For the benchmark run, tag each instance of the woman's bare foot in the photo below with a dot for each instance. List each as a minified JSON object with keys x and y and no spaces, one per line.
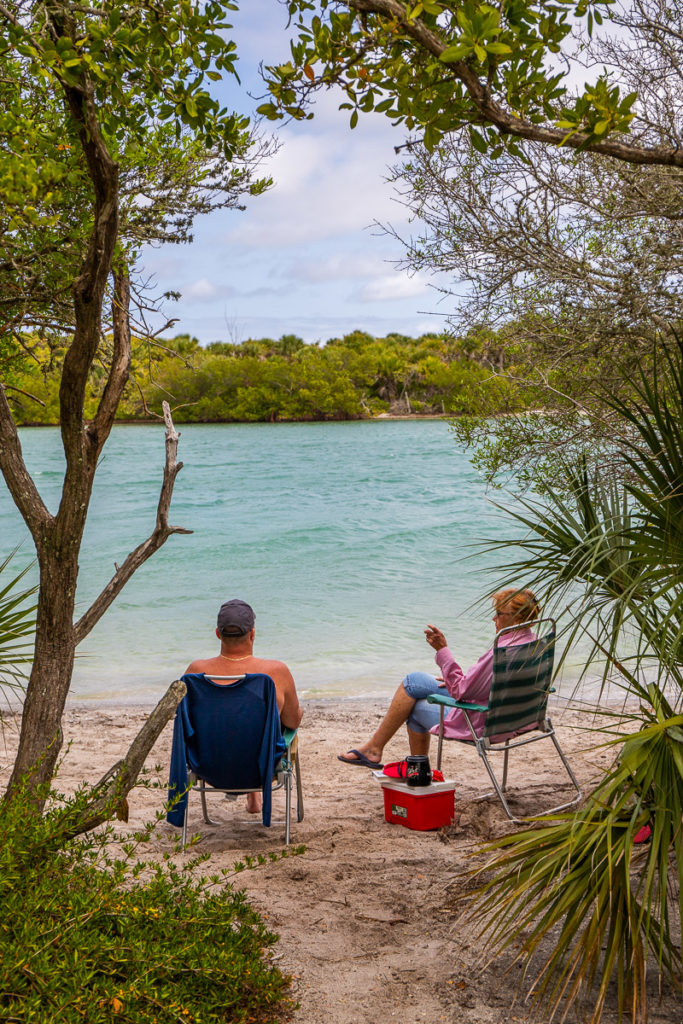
{"x":254,"y":802}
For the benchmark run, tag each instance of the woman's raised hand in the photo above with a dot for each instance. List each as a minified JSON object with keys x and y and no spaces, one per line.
{"x":435,"y":637}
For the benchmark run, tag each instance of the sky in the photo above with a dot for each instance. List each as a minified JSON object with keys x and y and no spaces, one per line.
{"x":305,"y":257}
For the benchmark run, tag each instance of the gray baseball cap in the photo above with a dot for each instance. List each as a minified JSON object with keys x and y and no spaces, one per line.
{"x":235,"y":618}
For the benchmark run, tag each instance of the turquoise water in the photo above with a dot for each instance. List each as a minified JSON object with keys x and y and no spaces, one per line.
{"x":347,"y":538}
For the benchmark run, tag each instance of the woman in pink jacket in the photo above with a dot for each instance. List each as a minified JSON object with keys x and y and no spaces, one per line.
{"x":511,"y":607}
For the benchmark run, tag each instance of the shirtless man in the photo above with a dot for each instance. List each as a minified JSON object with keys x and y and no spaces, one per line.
{"x":235,"y":630}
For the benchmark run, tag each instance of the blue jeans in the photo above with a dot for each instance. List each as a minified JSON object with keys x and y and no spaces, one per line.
{"x":424,"y":716}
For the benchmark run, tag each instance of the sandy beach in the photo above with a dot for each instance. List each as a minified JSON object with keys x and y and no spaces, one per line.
{"x":367,"y":916}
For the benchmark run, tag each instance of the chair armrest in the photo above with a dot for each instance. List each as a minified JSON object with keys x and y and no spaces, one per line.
{"x":451,"y":702}
{"x":288,"y":735}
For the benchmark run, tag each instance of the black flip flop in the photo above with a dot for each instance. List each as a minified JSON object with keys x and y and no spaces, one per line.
{"x":359,"y":759}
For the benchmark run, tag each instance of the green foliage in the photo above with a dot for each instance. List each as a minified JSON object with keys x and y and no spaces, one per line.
{"x":610,"y":550}
{"x":440,"y":66}
{"x":568,"y":388}
{"x":609,"y":553}
{"x":13,"y":361}
{"x":347,"y":378}
{"x":147,"y":72}
{"x":149,"y":64}
{"x":86,"y":936}
{"x":599,"y":111}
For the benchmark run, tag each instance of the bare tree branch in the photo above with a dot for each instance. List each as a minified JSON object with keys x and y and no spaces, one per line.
{"x":142,"y":552}
{"x":22,"y":488}
{"x":593,"y":249}
{"x":26,"y":394}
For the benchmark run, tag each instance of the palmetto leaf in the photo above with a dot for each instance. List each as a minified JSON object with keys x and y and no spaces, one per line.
{"x":581,"y":552}
{"x":582,"y":878}
{"x":16,"y":627}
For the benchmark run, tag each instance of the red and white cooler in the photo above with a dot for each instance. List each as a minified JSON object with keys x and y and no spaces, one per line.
{"x":418,"y":807}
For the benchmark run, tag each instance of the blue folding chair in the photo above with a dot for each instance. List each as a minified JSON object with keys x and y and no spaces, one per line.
{"x":228,"y":739}
{"x":516,"y":712}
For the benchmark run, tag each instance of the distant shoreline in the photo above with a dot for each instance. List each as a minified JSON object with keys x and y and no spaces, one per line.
{"x":382,"y":417}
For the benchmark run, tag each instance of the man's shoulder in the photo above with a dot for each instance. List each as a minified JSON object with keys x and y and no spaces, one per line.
{"x":200,"y":665}
{"x":269,"y":665}
{"x":278,"y":672}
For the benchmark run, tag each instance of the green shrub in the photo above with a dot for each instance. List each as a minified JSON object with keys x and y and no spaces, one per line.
{"x":90,"y":937}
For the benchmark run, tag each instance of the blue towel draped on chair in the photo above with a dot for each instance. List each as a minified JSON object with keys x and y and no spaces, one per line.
{"x":228,"y":735}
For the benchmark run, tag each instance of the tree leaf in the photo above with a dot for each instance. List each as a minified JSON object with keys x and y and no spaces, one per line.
{"x":478,"y":141}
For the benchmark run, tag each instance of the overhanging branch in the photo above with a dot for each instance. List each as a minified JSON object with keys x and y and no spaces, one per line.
{"x":504,"y":120}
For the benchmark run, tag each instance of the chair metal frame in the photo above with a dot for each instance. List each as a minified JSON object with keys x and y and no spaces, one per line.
{"x":287,"y":774}
{"x":486,"y":744}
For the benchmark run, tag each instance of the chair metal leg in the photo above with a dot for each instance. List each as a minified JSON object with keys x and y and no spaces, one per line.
{"x":505,"y":765}
{"x":500,"y":791}
{"x":570,"y":773}
{"x":299,"y":790}
{"x":288,"y":779}
{"x":439,"y":750}
{"x":288,"y":806}
{"x":496,"y":785}
{"x":202,"y":793}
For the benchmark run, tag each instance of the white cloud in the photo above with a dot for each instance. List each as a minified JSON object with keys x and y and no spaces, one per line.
{"x":392,"y":288}
{"x":201,"y":289}
{"x":341,"y":266}
{"x":329,"y":181}
{"x":265,"y":291}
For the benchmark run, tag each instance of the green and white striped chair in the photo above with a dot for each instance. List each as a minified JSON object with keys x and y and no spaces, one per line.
{"x":516,"y":713}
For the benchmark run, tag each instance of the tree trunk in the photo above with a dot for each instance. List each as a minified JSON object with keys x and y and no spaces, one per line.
{"x":40,"y":740}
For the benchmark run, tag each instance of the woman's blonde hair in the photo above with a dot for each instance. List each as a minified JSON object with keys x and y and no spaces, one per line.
{"x":521,"y":603}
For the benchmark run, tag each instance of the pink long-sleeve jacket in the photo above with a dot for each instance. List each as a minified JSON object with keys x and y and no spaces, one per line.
{"x":473,"y":686}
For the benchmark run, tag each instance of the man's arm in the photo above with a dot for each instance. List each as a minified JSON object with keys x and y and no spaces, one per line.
{"x":291,"y":711}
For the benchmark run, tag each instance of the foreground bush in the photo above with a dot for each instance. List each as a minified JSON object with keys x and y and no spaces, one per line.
{"x":87,"y":937}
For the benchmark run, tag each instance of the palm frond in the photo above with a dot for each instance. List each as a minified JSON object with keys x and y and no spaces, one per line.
{"x":581,"y":879}
{"x":581,"y":554}
{"x":17,"y":626}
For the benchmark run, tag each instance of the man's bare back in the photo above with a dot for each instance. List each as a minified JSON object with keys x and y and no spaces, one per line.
{"x":288,"y":705}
